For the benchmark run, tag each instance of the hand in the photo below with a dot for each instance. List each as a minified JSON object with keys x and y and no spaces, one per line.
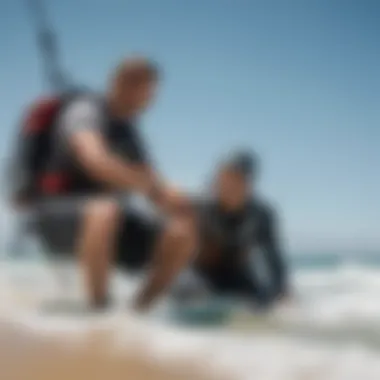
{"x":285,"y":300}
{"x":175,"y":200}
{"x":141,"y":180}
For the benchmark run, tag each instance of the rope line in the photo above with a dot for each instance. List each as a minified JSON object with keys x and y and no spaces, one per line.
{"x":48,"y":45}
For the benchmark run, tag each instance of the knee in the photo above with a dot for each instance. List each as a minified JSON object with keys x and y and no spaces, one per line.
{"x":180,"y":230}
{"x":106,"y":211}
{"x":180,"y":235}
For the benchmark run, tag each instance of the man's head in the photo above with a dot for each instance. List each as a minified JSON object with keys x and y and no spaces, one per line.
{"x":133,"y":85}
{"x":234,"y":179}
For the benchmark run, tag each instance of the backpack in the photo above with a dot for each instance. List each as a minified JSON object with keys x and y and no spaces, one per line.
{"x":31,"y":176}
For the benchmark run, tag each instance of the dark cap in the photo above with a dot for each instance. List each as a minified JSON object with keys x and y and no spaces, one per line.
{"x":244,"y":162}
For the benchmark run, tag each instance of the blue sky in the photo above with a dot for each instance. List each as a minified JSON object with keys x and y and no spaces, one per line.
{"x":296,"y":80}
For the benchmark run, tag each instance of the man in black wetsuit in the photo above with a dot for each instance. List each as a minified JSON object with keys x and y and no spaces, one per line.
{"x":234,"y":224}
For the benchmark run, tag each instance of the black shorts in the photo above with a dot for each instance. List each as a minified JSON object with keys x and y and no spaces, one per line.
{"x":57,"y":229}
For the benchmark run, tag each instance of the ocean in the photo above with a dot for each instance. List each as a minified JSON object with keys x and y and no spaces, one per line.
{"x":329,"y":330}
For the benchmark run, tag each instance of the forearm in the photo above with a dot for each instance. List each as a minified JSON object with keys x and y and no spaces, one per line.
{"x":158,"y":187}
{"x":278,"y":272}
{"x":169,"y":199}
{"x":272,"y":247}
{"x":114,"y":173}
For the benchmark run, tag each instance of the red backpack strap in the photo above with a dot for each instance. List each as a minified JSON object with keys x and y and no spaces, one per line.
{"x":54,"y":183}
{"x":41,"y":114}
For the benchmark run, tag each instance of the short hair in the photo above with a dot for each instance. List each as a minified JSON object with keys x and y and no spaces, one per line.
{"x":136,"y":70}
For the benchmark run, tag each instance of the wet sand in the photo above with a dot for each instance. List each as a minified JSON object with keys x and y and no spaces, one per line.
{"x":24,"y":355}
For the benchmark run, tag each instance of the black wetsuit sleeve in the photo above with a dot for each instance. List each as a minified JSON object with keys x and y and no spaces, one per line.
{"x":273,"y":255}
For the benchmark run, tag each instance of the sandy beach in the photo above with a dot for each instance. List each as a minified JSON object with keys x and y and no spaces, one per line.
{"x":24,"y":355}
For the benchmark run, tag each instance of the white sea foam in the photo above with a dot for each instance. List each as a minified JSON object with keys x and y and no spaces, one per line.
{"x":345,"y":298}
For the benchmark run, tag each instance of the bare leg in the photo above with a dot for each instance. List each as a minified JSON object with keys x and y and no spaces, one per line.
{"x":95,"y":246}
{"x":174,"y":250}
